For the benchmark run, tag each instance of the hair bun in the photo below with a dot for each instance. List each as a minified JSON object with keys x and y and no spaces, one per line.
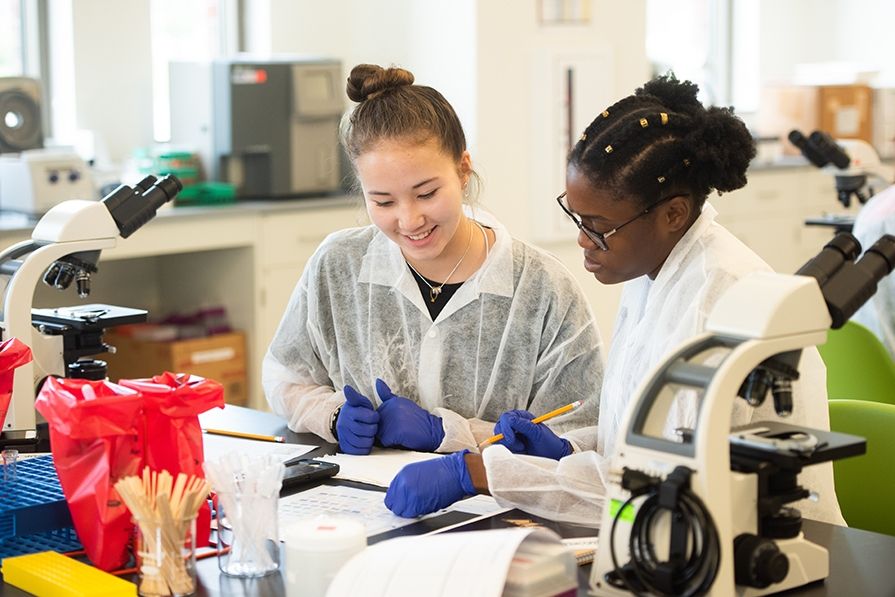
{"x":367,"y":81}
{"x":724,"y":148}
{"x":677,"y":96}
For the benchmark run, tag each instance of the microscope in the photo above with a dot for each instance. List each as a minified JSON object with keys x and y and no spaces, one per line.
{"x":707,"y":512}
{"x":854,"y":164}
{"x":65,"y":248}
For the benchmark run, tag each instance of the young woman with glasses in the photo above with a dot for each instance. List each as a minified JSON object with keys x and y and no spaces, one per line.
{"x":419,"y":330}
{"x":636,"y":186}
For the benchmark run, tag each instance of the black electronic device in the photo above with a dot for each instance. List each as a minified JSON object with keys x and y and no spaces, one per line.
{"x":306,"y":470}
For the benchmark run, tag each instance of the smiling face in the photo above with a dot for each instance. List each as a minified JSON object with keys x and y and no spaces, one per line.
{"x":639,"y":247}
{"x":414,"y":195}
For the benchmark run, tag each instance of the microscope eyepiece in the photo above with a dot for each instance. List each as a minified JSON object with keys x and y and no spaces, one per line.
{"x":131,"y":208}
{"x":842,"y":248}
{"x":811,"y":152}
{"x":825,"y":144}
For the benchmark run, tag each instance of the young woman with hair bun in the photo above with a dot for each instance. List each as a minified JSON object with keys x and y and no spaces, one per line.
{"x":420,"y":330}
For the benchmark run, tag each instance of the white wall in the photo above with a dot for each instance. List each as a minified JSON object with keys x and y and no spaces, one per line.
{"x":805,"y":31}
{"x":433,"y":39}
{"x":107,"y":71}
{"x":521,"y":149}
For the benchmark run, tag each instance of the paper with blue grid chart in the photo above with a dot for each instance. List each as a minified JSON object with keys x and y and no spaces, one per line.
{"x":368,"y":507}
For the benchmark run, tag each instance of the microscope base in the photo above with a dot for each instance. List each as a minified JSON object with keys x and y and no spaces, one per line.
{"x":808,"y":562}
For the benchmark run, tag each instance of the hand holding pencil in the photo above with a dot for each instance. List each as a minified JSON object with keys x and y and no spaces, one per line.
{"x":520,"y":431}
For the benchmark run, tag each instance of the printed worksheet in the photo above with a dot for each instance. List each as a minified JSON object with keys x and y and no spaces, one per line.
{"x":366,"y":506}
{"x":377,"y":468}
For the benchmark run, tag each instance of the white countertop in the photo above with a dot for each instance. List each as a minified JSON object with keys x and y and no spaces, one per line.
{"x":13,"y":222}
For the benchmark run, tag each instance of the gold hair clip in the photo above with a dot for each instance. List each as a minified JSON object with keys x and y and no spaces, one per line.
{"x":686,"y":163}
{"x":663,"y":117}
{"x":644,"y":122}
{"x":661,"y":179}
{"x":608,"y":149}
{"x":583,"y":137}
{"x":605,"y":114}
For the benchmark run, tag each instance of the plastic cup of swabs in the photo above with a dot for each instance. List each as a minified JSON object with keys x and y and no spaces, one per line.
{"x":247,"y":490}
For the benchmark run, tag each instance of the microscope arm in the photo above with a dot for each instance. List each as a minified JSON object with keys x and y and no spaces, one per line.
{"x":17,"y":324}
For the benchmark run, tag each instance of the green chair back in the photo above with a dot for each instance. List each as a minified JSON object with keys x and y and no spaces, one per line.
{"x":865,"y":484}
{"x":858,"y":365}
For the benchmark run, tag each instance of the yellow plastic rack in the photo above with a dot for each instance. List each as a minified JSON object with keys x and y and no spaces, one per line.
{"x":50,"y":574}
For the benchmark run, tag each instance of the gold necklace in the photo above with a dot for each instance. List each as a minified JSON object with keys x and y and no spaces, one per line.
{"x":434,"y":291}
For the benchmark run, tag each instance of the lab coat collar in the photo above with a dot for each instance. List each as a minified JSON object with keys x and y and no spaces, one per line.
{"x":384,"y":264}
{"x":683,"y":247}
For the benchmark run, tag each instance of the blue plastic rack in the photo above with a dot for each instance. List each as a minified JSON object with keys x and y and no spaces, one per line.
{"x":33,"y":513}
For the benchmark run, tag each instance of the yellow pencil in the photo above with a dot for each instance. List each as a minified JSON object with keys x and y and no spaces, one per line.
{"x":265,"y":438}
{"x":553,"y":413}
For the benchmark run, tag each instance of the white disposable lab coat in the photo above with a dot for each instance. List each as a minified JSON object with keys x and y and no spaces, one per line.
{"x":518,"y":334}
{"x":655,"y":316}
{"x":874,"y":220}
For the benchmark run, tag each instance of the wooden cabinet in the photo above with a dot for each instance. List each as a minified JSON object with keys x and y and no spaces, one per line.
{"x":285,"y":243}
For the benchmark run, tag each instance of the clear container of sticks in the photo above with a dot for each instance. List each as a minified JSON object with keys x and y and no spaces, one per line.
{"x":166,"y":559}
{"x":165,"y":512}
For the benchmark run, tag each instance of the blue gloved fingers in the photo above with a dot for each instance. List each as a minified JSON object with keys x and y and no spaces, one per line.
{"x":357,"y":424}
{"x":363,"y":416}
{"x":504,"y":426}
{"x":512,"y":424}
{"x":383,"y":390}
{"x":424,"y":487}
{"x":356,"y":399}
{"x":356,"y":446}
{"x":405,"y":424}
{"x":521,"y":435}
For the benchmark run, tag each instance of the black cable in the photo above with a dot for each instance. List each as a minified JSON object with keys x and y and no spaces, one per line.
{"x":696,"y":574}
{"x":621,"y":582}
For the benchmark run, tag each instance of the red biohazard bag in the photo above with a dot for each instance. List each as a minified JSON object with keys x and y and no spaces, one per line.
{"x":172,"y":435}
{"x":13,"y":354}
{"x":96,"y":435}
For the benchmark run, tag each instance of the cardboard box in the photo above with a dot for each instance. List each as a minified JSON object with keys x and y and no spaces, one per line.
{"x":843,"y":111}
{"x":220,"y":357}
{"x":846,"y":111}
{"x":884,"y":122}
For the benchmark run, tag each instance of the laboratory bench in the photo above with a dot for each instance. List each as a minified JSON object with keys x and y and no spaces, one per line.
{"x":860,"y":561}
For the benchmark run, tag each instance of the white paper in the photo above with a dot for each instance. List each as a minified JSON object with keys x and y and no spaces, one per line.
{"x":368,"y":507}
{"x":472,"y":564}
{"x":217,"y":446}
{"x":377,"y":468}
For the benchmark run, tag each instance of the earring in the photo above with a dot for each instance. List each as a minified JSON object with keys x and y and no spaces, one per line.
{"x":466,"y":191}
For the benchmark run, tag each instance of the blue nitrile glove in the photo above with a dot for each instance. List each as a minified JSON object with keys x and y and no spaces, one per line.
{"x":404,"y":424}
{"x":424,"y":487}
{"x":357,"y":423}
{"x":522,"y":436}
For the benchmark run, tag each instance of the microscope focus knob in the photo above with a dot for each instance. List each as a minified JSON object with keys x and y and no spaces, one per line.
{"x":758,"y":562}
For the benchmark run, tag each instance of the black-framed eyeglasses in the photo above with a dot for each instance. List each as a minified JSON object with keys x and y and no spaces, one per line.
{"x":599,"y":238}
